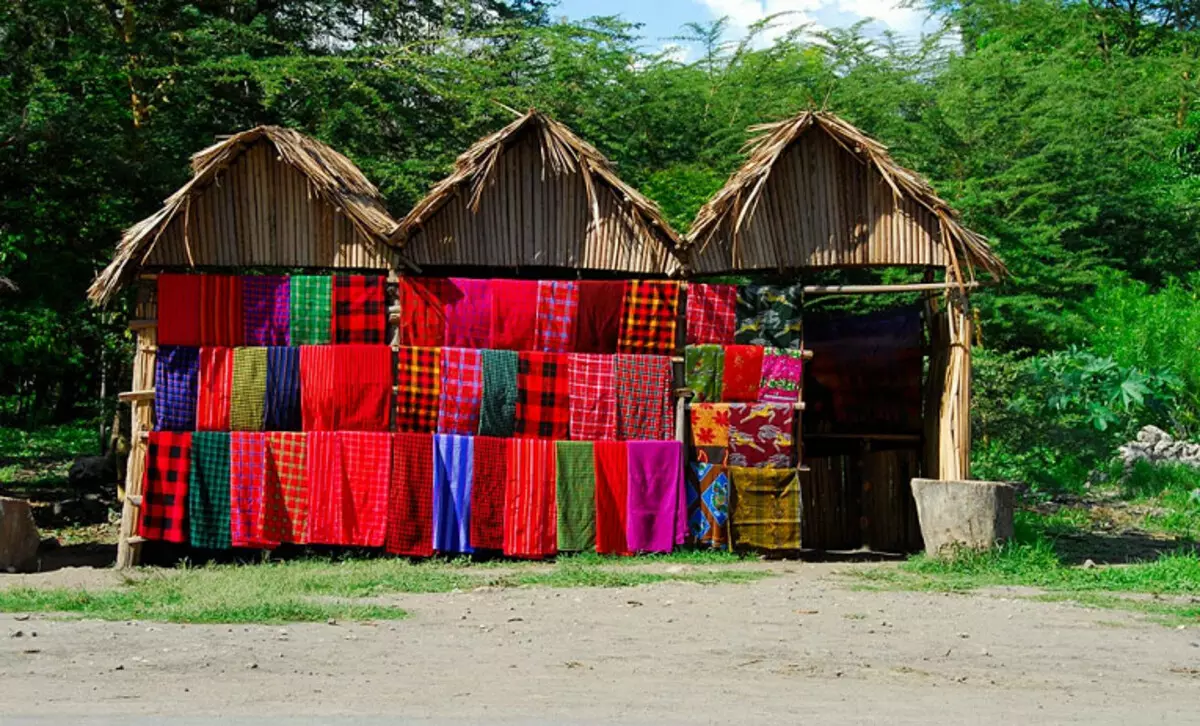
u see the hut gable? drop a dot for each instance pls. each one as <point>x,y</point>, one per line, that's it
<point>266,197</point>
<point>535,194</point>
<point>817,192</point>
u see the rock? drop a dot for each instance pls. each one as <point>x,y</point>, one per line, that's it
<point>973,514</point>
<point>1088,564</point>
<point>83,510</point>
<point>19,538</point>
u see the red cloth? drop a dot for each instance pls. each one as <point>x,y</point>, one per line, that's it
<point>598,320</point>
<point>362,381</point>
<point>462,391</point>
<point>359,309</point>
<point>469,313</point>
<point>317,393</point>
<point>247,490</point>
<point>285,501</point>
<point>216,385</point>
<point>410,500</point>
<point>612,492</point>
<point>423,310</point>
<point>488,484</point>
<point>419,388</point>
<point>543,396</point>
<point>221,310</point>
<point>349,473</point>
<point>593,397</point>
<point>179,309</point>
<point>743,372</point>
<point>644,398</point>
<point>165,486</point>
<point>514,314</point>
<point>531,514</point>
<point>711,313</point>
<point>649,316</point>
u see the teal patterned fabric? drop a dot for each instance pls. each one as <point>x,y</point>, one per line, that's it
<point>498,411</point>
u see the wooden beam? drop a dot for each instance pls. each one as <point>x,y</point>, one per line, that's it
<point>881,289</point>
<point>143,323</point>
<point>131,396</point>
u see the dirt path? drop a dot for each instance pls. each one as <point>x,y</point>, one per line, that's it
<point>800,646</point>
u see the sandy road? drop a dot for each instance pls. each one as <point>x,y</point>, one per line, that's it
<point>802,646</point>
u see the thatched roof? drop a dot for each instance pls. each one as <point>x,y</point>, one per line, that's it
<point>736,203</point>
<point>332,178</point>
<point>562,152</point>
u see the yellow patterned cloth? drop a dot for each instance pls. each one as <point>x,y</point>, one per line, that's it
<point>765,511</point>
<point>246,406</point>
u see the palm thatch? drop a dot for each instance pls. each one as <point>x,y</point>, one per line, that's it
<point>724,217</point>
<point>331,177</point>
<point>563,153</point>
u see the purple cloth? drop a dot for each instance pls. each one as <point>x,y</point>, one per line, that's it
<point>469,313</point>
<point>657,505</point>
<point>176,387</point>
<point>266,305</point>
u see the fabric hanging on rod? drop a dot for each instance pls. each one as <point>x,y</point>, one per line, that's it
<point>215,389</point>
<point>221,311</point>
<point>247,407</point>
<point>514,314</point>
<point>765,511</point>
<point>649,316</point>
<point>176,388</point>
<point>178,302</point>
<point>208,509</point>
<point>453,473</point>
<point>543,396</point>
<point>708,504</point>
<point>283,390</point>
<point>359,309</point>
<point>165,487</point>
<point>592,388</point>
<point>598,318</point>
<point>423,310</point>
<point>710,424</point>
<point>489,480</point>
<point>420,384</point>
<point>498,410</point>
<point>657,507</point>
<point>782,376</point>
<point>410,499</point>
<point>761,435</point>
<point>530,516</point>
<point>285,498</point>
<point>311,302</point>
<point>349,473</point>
<point>462,391</point>
<point>742,373</point>
<point>644,398</point>
<point>704,369</point>
<point>469,313</point>
<point>363,387</point>
<point>318,397</point>
<point>557,308</point>
<point>267,310</point>
<point>769,315</point>
<point>247,479</point>
<point>576,496</point>
<point>612,492</point>
<point>711,314</point>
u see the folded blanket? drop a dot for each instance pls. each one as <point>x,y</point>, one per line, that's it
<point>530,519</point>
<point>359,309</point>
<point>765,511</point>
<point>176,388</point>
<point>543,396</point>
<point>769,316</point>
<point>649,316</point>
<point>782,375</point>
<point>708,505</point>
<point>711,313</point>
<point>349,473</point>
<point>178,302</point>
<point>576,496</point>
<point>311,319</point>
<point>362,380</point>
<point>469,313</point>
<point>644,397</point>
<point>498,410</point>
<point>285,497</point>
<point>422,310</point>
<point>598,319</point>
<point>612,496</point>
<point>318,401</point>
<point>657,510</point>
<point>592,397</point>
<point>410,500</point>
<point>267,310</point>
<point>557,306</point>
<point>208,509</point>
<point>514,314</point>
<point>221,311</point>
<point>283,390</point>
<point>419,390</point>
<point>247,476</point>
<point>743,373</point>
<point>215,389</point>
<point>453,471</point>
<point>704,368</point>
<point>462,391</point>
<point>247,410</point>
<point>489,480</point>
<point>761,435</point>
<point>165,487</point>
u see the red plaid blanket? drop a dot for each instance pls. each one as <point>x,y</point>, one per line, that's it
<point>359,309</point>
<point>349,473</point>
<point>593,397</point>
<point>649,316</point>
<point>543,396</point>
<point>247,479</point>
<point>420,383</point>
<point>165,485</point>
<point>711,313</point>
<point>644,397</point>
<point>285,510</point>
<point>487,493</point>
<point>462,391</point>
<point>410,501</point>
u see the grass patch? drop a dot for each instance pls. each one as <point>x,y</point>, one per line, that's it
<point>49,442</point>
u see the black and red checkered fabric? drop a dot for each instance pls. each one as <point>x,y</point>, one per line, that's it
<point>165,485</point>
<point>543,396</point>
<point>359,309</point>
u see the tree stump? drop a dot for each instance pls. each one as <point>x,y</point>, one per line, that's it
<point>19,537</point>
<point>973,514</point>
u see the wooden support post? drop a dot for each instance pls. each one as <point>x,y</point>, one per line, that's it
<point>129,545</point>
<point>954,420</point>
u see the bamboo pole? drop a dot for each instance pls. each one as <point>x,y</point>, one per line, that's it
<point>141,421</point>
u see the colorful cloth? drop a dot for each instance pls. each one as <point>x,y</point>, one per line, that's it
<point>453,472</point>
<point>576,496</point>
<point>489,481</point>
<point>514,314</point>
<point>422,310</point>
<point>710,424</point>
<point>498,410</point>
<point>657,504</point>
<point>557,306</point>
<point>530,516</point>
<point>769,316</point>
<point>708,505</point>
<point>644,397</point>
<point>285,496</point>
<point>216,384</point>
<point>742,376</point>
<point>711,313</point>
<point>359,309</point>
<point>247,477</point>
<point>593,397</point>
<point>420,383</point>
<point>704,367</point>
<point>761,435</point>
<point>598,319</point>
<point>221,311</point>
<point>311,319</point>
<point>462,391</point>
<point>267,310</point>
<point>178,301</point>
<point>782,375</point>
<point>612,496</point>
<point>318,401</point>
<point>410,500</point>
<point>469,313</point>
<point>165,487</point>
<point>248,401</point>
<point>208,491</point>
<point>648,321</point>
<point>349,472</point>
<point>283,390</point>
<point>362,380</point>
<point>176,388</point>
<point>543,396</point>
<point>765,512</point>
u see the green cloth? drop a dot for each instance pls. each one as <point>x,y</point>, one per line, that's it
<point>704,366</point>
<point>769,316</point>
<point>208,491</point>
<point>312,309</point>
<point>498,410</point>
<point>249,389</point>
<point>576,491</point>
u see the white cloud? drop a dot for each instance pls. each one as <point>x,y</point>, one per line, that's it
<point>743,13</point>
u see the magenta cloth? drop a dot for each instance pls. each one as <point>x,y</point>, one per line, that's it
<point>782,375</point>
<point>469,313</point>
<point>266,305</point>
<point>657,506</point>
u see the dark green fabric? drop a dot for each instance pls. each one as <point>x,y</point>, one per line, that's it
<point>769,315</point>
<point>208,491</point>
<point>703,368</point>
<point>576,492</point>
<point>498,410</point>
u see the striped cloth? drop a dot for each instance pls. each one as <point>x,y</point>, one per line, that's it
<point>488,493</point>
<point>498,411</point>
<point>283,390</point>
<point>165,487</point>
<point>644,397</point>
<point>410,498</point>
<point>612,488</point>
<point>247,405</point>
<point>178,300</point>
<point>176,388</point>
<point>462,391</point>
<point>648,317</point>
<point>221,310</point>
<point>543,396</point>
<point>247,474</point>
<point>285,499</point>
<point>208,491</point>
<point>530,519</point>
<point>711,313</point>
<point>359,309</point>
<point>514,314</point>
<point>453,472</point>
<point>704,367</point>
<point>422,310</point>
<point>349,472</point>
<point>318,402</point>
<point>657,503</point>
<point>592,397</point>
<point>765,509</point>
<point>576,496</point>
<point>557,305</point>
<point>362,384</point>
<point>216,384</point>
<point>267,310</point>
<point>419,389</point>
<point>469,313</point>
<point>311,319</point>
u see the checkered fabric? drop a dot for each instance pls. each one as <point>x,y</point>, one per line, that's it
<point>576,496</point>
<point>711,313</point>
<point>557,305</point>
<point>317,394</point>
<point>178,309</point>
<point>266,310</point>
<point>285,501</point>
<point>420,383</point>
<point>410,500</point>
<point>282,406</point>
<point>208,491</point>
<point>488,493</point>
<point>247,407</point>
<point>359,309</point>
<point>648,318</point>
<point>247,474</point>
<point>499,408</point>
<point>543,396</point>
<point>362,384</point>
<point>593,397</point>
<point>311,309</point>
<point>366,470</point>
<point>176,388</point>
<point>216,384</point>
<point>423,310</point>
<point>165,487</point>
<point>462,391</point>
<point>644,398</point>
<point>221,310</point>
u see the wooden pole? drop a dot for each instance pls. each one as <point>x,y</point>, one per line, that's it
<point>129,548</point>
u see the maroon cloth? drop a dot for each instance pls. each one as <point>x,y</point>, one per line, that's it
<point>487,493</point>
<point>598,321</point>
<point>221,311</point>
<point>410,501</point>
<point>514,314</point>
<point>179,309</point>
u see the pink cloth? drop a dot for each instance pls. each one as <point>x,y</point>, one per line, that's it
<point>657,518</point>
<point>782,374</point>
<point>469,313</point>
<point>514,314</point>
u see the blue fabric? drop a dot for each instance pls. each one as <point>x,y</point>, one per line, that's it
<point>176,387</point>
<point>283,390</point>
<point>453,464</point>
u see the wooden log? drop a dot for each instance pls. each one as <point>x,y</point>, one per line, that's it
<point>143,324</point>
<point>134,396</point>
<point>141,421</point>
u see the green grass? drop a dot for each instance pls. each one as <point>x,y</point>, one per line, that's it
<point>49,442</point>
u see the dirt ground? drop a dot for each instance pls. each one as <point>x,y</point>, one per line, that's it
<point>803,645</point>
